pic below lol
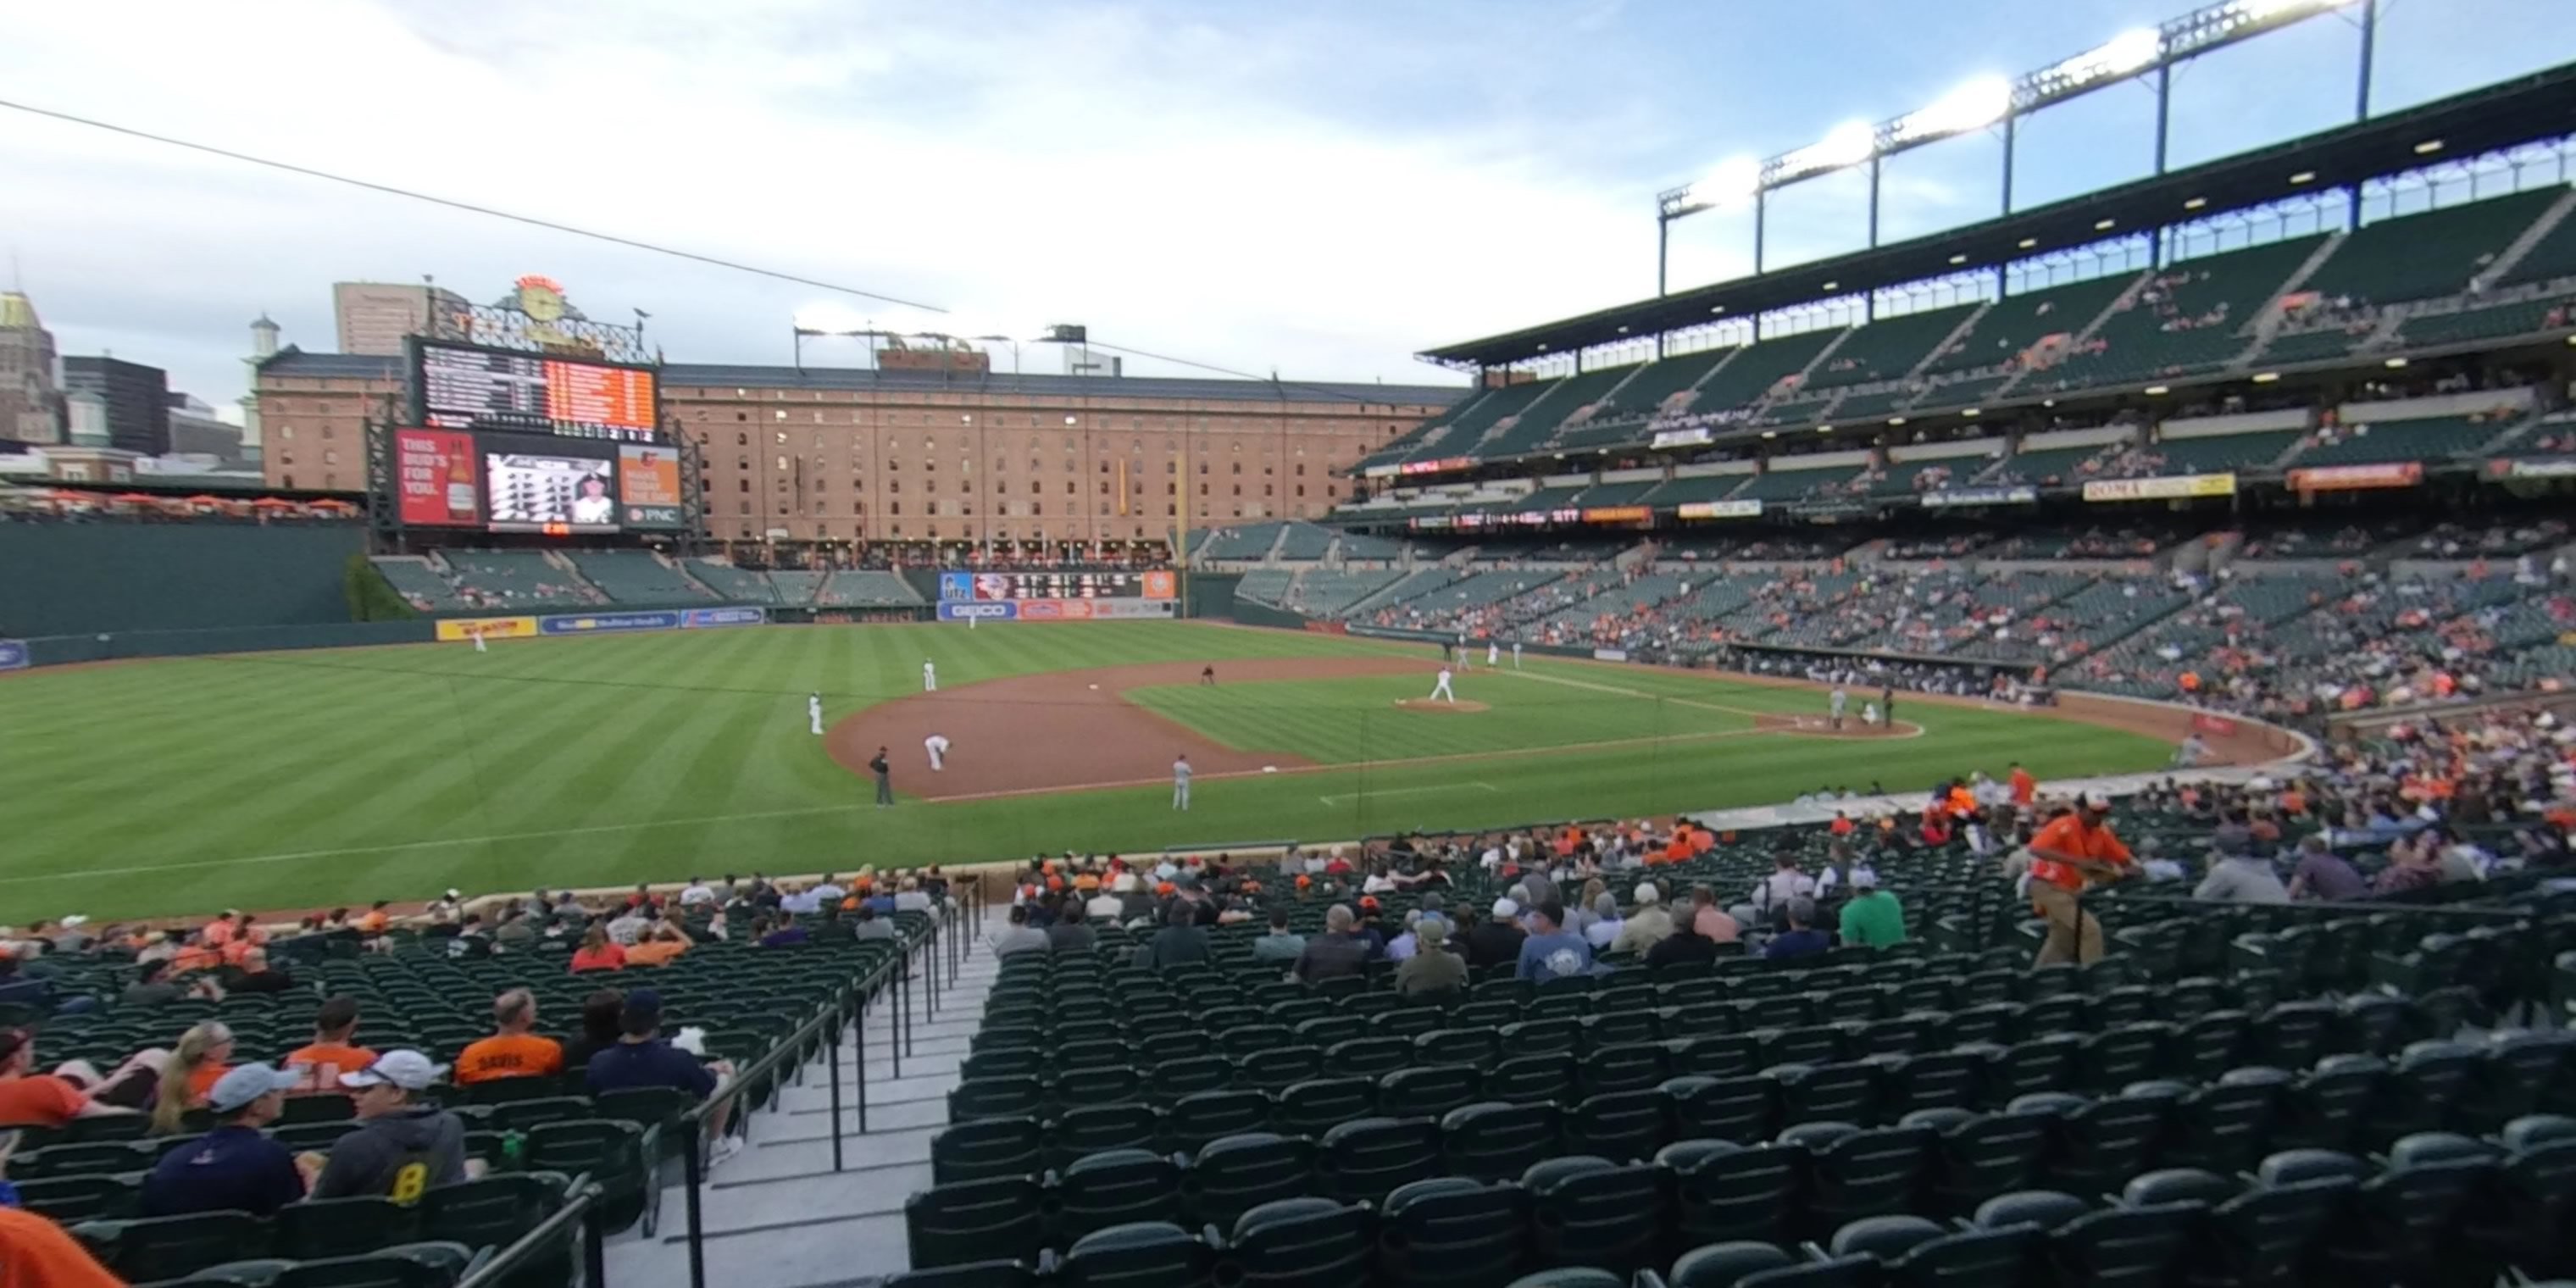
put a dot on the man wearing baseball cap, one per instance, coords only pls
(404, 1146)
(2075, 850)
(234, 1166)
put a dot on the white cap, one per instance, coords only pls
(2095, 800)
(1647, 893)
(409, 1070)
(1506, 908)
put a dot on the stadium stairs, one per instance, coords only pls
(776, 1215)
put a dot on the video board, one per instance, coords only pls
(459, 386)
(533, 483)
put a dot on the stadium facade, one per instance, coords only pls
(871, 455)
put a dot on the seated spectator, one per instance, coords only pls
(1278, 944)
(600, 1016)
(1433, 970)
(1872, 918)
(866, 924)
(1710, 922)
(2412, 866)
(235, 1167)
(783, 933)
(331, 1053)
(1071, 933)
(1801, 939)
(404, 1146)
(1685, 946)
(1496, 941)
(1105, 905)
(203, 1055)
(642, 1058)
(910, 897)
(254, 975)
(1550, 951)
(1020, 936)
(40, 1253)
(1606, 921)
(1647, 925)
(1181, 941)
(152, 985)
(659, 946)
(597, 953)
(1337, 953)
(32, 1099)
(2325, 876)
(2239, 876)
(514, 1050)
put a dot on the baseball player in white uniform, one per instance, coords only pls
(929, 677)
(1838, 701)
(937, 745)
(1516, 655)
(1494, 653)
(478, 641)
(1440, 692)
(814, 712)
(1181, 784)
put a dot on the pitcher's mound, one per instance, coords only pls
(1434, 704)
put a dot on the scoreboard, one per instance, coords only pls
(993, 587)
(465, 387)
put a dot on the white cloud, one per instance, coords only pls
(1178, 187)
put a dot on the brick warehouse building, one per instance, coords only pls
(878, 455)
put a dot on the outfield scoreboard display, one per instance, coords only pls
(1056, 596)
(446, 478)
(992, 587)
(465, 387)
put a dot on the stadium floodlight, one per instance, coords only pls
(1972, 106)
(1727, 187)
(2273, 10)
(1848, 144)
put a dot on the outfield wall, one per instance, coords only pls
(85, 578)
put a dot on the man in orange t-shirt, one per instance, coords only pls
(331, 1053)
(2073, 851)
(2025, 788)
(512, 1051)
(36, 1253)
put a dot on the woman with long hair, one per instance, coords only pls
(203, 1054)
(596, 952)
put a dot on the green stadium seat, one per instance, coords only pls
(1724, 1191)
(1303, 1242)
(1364, 1160)
(1586, 1210)
(1002, 1218)
(1492, 1141)
(1450, 1232)
(320, 1228)
(171, 1247)
(1142, 1254)
(1234, 1174)
(1088, 1129)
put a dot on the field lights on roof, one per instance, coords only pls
(1973, 106)
(2125, 54)
(1850, 143)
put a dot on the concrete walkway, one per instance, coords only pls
(776, 1215)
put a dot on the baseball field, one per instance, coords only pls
(300, 780)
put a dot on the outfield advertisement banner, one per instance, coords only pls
(490, 628)
(1092, 610)
(2353, 478)
(602, 623)
(1981, 496)
(2163, 489)
(2562, 468)
(13, 655)
(702, 617)
(1719, 510)
(1001, 611)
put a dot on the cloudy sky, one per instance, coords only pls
(1319, 188)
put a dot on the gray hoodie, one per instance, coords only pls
(372, 1159)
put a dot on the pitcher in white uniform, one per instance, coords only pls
(1440, 692)
(1494, 653)
(937, 745)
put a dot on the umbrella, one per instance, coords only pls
(203, 499)
(327, 504)
(272, 503)
(133, 498)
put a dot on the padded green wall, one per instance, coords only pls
(78, 578)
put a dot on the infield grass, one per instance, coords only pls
(295, 780)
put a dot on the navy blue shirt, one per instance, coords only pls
(783, 938)
(657, 1063)
(230, 1168)
(1797, 943)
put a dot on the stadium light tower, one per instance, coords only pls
(1990, 101)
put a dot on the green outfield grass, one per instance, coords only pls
(309, 779)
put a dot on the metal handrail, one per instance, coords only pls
(580, 1198)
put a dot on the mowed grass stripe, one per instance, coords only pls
(95, 747)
